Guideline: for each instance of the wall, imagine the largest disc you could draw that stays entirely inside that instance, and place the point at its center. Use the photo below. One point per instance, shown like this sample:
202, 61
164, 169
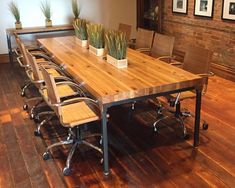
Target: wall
215, 34
121, 11
106, 12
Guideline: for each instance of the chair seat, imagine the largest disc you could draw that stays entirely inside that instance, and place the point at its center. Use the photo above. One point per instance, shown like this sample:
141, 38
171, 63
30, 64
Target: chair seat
77, 114
53, 72
184, 95
63, 91
39, 60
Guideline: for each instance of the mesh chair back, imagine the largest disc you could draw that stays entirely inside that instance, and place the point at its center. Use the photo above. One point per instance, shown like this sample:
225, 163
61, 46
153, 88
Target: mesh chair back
162, 45
33, 64
22, 50
144, 38
197, 60
125, 29
52, 92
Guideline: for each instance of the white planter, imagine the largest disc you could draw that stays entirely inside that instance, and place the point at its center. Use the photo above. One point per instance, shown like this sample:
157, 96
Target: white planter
82, 43
96, 51
117, 63
18, 25
48, 23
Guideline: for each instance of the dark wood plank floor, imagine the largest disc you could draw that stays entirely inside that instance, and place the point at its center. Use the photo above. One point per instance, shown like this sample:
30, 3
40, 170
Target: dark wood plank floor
138, 158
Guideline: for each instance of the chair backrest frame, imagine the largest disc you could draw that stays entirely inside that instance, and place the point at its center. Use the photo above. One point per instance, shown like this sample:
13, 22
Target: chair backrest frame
34, 66
163, 45
51, 87
144, 38
197, 60
125, 28
22, 50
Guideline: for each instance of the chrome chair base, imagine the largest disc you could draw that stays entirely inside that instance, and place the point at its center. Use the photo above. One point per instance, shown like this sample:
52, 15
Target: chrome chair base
37, 132
75, 140
24, 88
185, 135
178, 115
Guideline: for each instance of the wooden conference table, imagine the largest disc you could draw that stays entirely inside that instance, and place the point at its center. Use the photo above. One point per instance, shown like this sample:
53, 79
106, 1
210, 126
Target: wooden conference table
145, 77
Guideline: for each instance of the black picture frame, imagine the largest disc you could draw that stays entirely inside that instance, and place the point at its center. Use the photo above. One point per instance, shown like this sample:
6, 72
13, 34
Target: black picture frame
180, 6
204, 8
228, 10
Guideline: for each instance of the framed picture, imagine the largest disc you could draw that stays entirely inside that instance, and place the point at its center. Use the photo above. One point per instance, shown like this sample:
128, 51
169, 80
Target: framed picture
203, 8
180, 6
228, 10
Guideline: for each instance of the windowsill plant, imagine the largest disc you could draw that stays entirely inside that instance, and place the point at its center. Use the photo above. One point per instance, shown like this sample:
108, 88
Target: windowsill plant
16, 13
75, 9
46, 10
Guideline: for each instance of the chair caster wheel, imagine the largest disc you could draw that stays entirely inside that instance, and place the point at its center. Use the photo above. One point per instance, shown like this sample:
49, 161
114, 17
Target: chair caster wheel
36, 119
66, 171
37, 133
32, 116
101, 161
155, 130
46, 156
205, 126
22, 94
25, 107
186, 136
101, 141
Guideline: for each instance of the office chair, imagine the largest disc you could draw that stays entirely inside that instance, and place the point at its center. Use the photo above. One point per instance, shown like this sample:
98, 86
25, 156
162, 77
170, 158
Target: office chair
125, 29
23, 62
35, 49
197, 61
162, 47
65, 88
73, 114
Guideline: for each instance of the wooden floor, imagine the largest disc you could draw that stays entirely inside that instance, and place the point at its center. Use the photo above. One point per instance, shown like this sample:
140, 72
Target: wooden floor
138, 158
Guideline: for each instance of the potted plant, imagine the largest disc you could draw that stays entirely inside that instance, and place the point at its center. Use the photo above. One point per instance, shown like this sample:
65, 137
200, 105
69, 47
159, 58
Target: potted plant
16, 13
81, 32
96, 38
76, 9
46, 10
116, 45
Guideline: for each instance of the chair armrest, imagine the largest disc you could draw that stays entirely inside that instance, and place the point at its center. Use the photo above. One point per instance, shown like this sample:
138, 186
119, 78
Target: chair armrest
142, 50
73, 85
29, 73
49, 65
76, 100
79, 99
167, 59
176, 64
20, 62
16, 50
131, 43
41, 55
206, 74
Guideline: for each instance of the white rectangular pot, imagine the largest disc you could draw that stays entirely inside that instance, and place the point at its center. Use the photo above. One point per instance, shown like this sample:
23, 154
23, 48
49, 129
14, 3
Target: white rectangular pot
123, 63
96, 51
82, 43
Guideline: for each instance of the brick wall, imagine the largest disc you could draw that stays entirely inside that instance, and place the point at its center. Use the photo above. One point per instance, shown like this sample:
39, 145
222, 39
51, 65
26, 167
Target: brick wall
214, 34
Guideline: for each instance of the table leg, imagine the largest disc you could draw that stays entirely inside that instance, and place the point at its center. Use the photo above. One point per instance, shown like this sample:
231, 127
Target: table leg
197, 117
105, 141
9, 48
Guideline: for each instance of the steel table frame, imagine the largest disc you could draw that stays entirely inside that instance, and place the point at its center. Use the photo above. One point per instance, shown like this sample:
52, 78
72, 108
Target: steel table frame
104, 109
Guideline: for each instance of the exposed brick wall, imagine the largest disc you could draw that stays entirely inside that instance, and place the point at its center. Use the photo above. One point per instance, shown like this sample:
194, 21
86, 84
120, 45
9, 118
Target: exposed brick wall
215, 34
